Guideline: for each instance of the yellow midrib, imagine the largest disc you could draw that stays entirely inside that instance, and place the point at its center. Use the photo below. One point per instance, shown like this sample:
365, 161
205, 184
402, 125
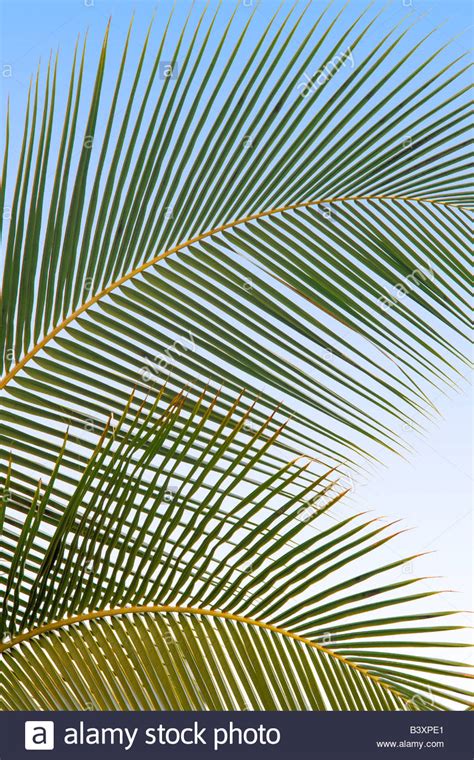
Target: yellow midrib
137, 609
228, 225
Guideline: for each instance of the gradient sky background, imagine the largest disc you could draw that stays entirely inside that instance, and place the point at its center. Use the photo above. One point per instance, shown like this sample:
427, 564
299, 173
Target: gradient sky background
432, 492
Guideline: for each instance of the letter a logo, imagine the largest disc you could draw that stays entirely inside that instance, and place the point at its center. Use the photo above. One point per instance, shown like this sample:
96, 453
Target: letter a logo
39, 734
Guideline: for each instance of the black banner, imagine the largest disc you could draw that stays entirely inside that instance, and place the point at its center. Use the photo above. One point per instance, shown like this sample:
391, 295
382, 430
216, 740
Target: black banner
249, 735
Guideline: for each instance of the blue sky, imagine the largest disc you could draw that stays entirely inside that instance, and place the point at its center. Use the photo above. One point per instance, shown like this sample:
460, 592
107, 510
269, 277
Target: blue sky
432, 492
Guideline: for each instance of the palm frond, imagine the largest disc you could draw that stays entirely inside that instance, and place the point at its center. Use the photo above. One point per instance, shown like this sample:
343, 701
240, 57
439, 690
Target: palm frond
244, 224
229, 225
167, 581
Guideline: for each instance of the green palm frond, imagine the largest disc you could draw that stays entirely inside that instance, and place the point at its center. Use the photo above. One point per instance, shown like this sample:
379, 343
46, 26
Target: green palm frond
176, 576
227, 225
264, 231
